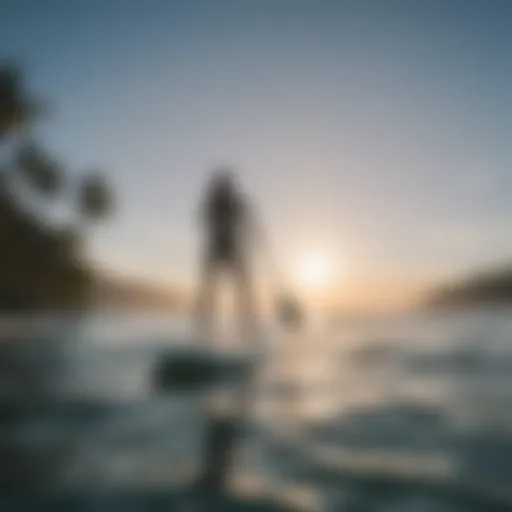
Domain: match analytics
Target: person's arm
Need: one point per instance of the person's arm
(200, 214)
(253, 227)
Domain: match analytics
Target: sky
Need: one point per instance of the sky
(375, 132)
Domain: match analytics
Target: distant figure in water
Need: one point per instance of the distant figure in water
(227, 223)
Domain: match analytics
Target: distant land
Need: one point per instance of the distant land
(137, 295)
(485, 288)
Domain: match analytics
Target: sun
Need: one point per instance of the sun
(314, 269)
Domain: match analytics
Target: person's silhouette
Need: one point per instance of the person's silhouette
(227, 223)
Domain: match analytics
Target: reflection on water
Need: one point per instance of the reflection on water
(399, 412)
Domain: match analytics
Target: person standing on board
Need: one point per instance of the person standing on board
(228, 225)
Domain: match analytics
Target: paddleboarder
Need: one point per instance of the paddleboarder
(228, 226)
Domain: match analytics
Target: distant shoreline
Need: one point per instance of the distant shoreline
(485, 289)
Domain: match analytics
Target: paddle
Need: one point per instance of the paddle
(288, 309)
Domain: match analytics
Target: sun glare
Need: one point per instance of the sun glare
(314, 269)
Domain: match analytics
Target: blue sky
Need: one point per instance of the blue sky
(376, 130)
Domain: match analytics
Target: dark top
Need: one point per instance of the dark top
(225, 212)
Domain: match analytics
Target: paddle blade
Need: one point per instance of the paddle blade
(289, 312)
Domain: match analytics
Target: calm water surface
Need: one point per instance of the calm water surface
(394, 413)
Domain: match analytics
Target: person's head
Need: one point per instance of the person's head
(223, 180)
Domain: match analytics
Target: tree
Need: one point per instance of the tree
(16, 109)
(95, 201)
(41, 264)
(41, 171)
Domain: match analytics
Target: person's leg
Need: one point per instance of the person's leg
(245, 298)
(205, 303)
(224, 423)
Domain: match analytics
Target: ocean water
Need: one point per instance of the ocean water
(397, 413)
